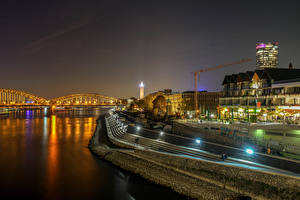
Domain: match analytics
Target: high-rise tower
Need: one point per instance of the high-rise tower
(141, 90)
(267, 55)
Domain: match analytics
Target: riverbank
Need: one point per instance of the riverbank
(191, 177)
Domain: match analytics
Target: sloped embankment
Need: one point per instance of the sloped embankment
(194, 178)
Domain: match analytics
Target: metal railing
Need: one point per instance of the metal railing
(116, 130)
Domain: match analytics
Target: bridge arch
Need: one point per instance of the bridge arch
(19, 97)
(84, 99)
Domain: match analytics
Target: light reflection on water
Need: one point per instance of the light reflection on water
(46, 157)
(52, 163)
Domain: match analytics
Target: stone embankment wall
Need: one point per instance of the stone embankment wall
(252, 183)
(195, 178)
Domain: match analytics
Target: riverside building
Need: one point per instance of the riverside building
(164, 101)
(266, 94)
(208, 103)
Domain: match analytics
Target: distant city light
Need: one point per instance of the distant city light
(138, 128)
(45, 110)
(161, 133)
(198, 141)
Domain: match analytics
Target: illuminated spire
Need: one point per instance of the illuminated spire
(141, 84)
(141, 90)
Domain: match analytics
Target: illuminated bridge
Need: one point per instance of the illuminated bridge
(84, 99)
(11, 97)
(18, 97)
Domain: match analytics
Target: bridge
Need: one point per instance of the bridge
(90, 99)
(18, 97)
(11, 97)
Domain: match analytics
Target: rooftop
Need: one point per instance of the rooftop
(277, 75)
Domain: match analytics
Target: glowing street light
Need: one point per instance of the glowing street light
(161, 133)
(138, 128)
(249, 151)
(198, 141)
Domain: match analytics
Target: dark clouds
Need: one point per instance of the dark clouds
(52, 48)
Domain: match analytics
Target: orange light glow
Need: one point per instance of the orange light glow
(52, 166)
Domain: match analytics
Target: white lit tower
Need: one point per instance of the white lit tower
(142, 92)
(267, 55)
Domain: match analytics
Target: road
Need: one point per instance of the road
(209, 151)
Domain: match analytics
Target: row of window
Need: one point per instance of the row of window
(263, 102)
(246, 85)
(262, 92)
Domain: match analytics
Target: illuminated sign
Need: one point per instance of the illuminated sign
(240, 110)
(252, 110)
(258, 104)
(262, 45)
(289, 107)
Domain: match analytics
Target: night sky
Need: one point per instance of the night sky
(54, 48)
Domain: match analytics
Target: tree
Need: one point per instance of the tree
(141, 104)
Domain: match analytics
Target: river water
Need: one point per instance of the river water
(46, 157)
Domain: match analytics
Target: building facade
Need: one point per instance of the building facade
(207, 101)
(164, 101)
(267, 55)
(267, 94)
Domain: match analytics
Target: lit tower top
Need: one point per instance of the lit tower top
(267, 55)
(141, 90)
(141, 84)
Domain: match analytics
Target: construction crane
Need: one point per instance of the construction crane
(211, 69)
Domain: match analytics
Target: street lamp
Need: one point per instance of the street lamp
(249, 151)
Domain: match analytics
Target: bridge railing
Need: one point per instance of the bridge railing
(11, 97)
